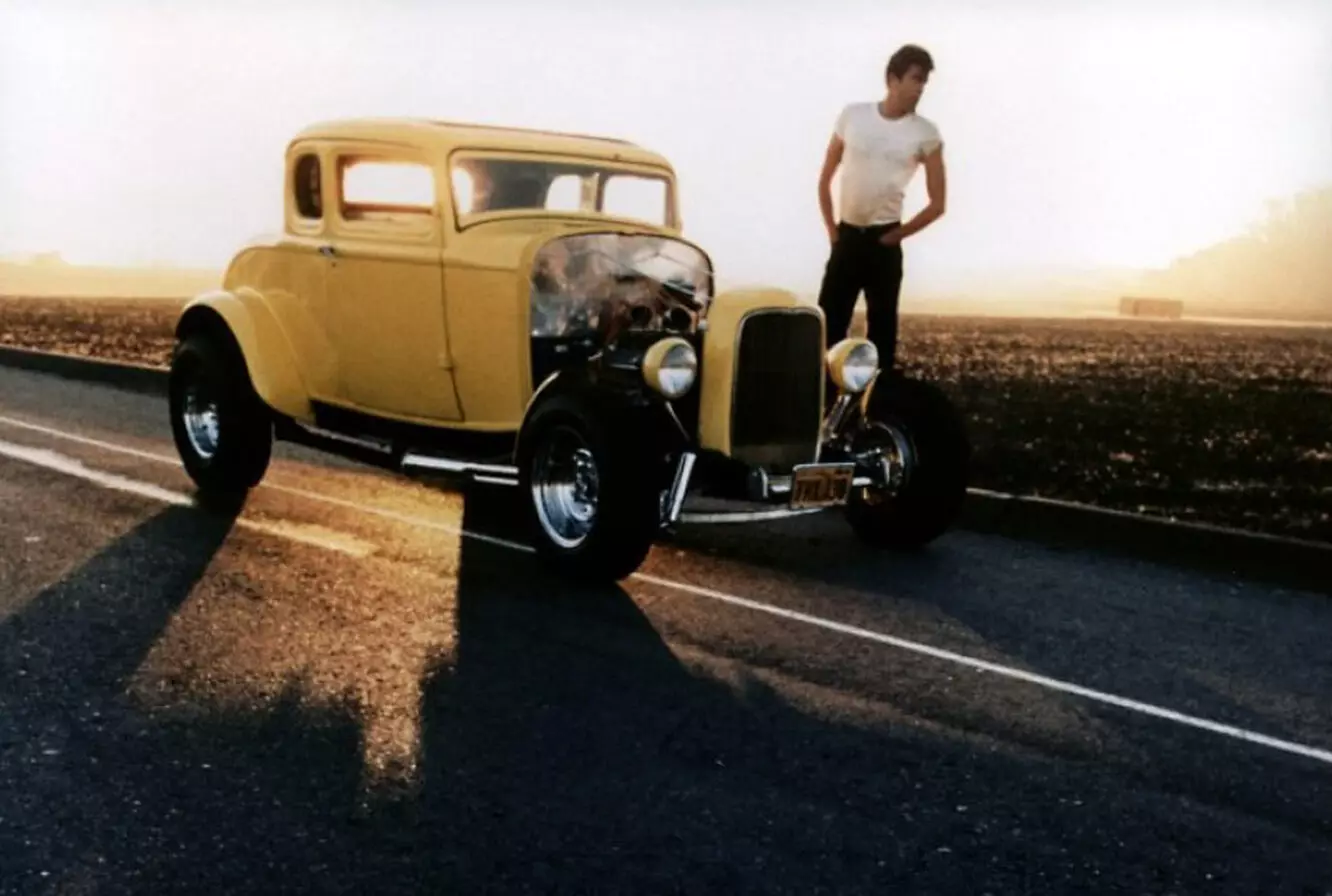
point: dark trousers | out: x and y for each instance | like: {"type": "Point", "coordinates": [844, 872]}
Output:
{"type": "Point", "coordinates": [858, 261]}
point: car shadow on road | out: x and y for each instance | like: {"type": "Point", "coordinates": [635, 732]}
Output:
{"type": "Point", "coordinates": [97, 794]}
{"type": "Point", "coordinates": [584, 747]}
{"type": "Point", "coordinates": [1152, 634]}
{"type": "Point", "coordinates": [565, 745]}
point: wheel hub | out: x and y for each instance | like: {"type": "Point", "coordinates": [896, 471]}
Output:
{"type": "Point", "coordinates": [200, 416]}
{"type": "Point", "coordinates": [889, 452]}
{"type": "Point", "coordinates": [565, 488]}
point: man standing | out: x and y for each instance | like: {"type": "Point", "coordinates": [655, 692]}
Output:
{"type": "Point", "coordinates": [878, 145]}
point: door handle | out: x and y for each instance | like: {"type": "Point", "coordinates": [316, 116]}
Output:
{"type": "Point", "coordinates": [327, 251]}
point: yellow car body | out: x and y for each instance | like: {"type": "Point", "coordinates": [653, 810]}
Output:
{"type": "Point", "coordinates": [434, 282]}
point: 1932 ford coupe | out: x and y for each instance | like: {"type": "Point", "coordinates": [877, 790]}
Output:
{"type": "Point", "coordinates": [520, 308]}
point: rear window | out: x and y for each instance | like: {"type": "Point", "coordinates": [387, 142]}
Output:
{"type": "Point", "coordinates": [308, 188]}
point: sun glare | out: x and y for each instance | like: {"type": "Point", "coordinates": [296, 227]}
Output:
{"type": "Point", "coordinates": [1104, 139]}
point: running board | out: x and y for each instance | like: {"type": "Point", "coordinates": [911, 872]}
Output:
{"type": "Point", "coordinates": [383, 454]}
{"type": "Point", "coordinates": [367, 451]}
{"type": "Point", "coordinates": [492, 474]}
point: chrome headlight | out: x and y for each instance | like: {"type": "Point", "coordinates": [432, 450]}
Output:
{"type": "Point", "coordinates": [671, 366]}
{"type": "Point", "coordinates": [853, 364]}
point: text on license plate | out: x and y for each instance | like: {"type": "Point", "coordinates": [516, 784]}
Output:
{"type": "Point", "coordinates": [819, 485]}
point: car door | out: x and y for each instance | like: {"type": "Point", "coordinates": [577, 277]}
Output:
{"type": "Point", "coordinates": [385, 286]}
{"type": "Point", "coordinates": [296, 288]}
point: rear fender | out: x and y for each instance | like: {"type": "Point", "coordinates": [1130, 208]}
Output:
{"type": "Point", "coordinates": [269, 360]}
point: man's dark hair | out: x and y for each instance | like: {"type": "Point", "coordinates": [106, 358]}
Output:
{"type": "Point", "coordinates": [901, 62]}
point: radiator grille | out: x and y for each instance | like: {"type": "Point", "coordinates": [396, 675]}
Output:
{"type": "Point", "coordinates": [779, 376]}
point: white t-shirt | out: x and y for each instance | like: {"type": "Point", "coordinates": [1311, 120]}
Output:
{"type": "Point", "coordinates": [880, 158]}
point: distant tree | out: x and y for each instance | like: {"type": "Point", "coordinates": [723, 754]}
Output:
{"type": "Point", "coordinates": [1281, 266]}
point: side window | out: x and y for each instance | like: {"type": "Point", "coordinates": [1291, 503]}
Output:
{"type": "Point", "coordinates": [373, 189]}
{"type": "Point", "coordinates": [309, 198]}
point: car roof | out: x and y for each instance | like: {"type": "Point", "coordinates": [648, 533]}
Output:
{"type": "Point", "coordinates": [445, 136]}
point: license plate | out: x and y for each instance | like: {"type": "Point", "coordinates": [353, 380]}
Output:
{"type": "Point", "coordinates": [821, 485]}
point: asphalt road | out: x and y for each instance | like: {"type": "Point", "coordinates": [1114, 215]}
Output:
{"type": "Point", "coordinates": [337, 691]}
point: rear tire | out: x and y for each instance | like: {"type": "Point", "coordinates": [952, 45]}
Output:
{"type": "Point", "coordinates": [931, 498]}
{"type": "Point", "coordinates": [592, 490]}
{"type": "Point", "coordinates": [222, 430]}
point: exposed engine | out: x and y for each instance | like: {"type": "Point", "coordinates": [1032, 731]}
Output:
{"type": "Point", "coordinates": [602, 285]}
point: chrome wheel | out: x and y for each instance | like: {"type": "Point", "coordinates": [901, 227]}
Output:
{"type": "Point", "coordinates": [892, 453]}
{"type": "Point", "coordinates": [565, 487]}
{"type": "Point", "coordinates": [208, 392]}
{"type": "Point", "coordinates": [200, 417]}
{"type": "Point", "coordinates": [913, 435]}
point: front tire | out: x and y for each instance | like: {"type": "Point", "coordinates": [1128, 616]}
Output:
{"type": "Point", "coordinates": [592, 491]}
{"type": "Point", "coordinates": [920, 417]}
{"type": "Point", "coordinates": [222, 430]}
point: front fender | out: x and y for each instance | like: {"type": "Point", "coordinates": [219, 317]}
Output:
{"type": "Point", "coordinates": [263, 345]}
{"type": "Point", "coordinates": [642, 413]}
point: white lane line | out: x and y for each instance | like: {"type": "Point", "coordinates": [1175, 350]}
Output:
{"type": "Point", "coordinates": [173, 461]}
{"type": "Point", "coordinates": [59, 463]}
{"type": "Point", "coordinates": [405, 518]}
{"type": "Point", "coordinates": [1054, 684]}
{"type": "Point", "coordinates": [84, 440]}
{"type": "Point", "coordinates": [51, 460]}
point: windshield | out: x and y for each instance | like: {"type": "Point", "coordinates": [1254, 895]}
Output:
{"type": "Point", "coordinates": [482, 184]}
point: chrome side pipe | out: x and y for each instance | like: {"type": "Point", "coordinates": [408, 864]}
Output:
{"type": "Point", "coordinates": [675, 495]}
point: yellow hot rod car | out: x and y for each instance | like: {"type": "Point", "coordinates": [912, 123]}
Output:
{"type": "Point", "coordinates": [520, 308]}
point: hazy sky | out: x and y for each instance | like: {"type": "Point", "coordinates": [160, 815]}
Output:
{"type": "Point", "coordinates": [1077, 133]}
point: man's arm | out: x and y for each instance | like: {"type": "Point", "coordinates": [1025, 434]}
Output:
{"type": "Point", "coordinates": [936, 185]}
{"type": "Point", "coordinates": [831, 159]}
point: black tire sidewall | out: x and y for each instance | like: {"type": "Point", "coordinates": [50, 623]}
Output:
{"type": "Point", "coordinates": [936, 487]}
{"type": "Point", "coordinates": [244, 426]}
{"type": "Point", "coordinates": [628, 513]}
